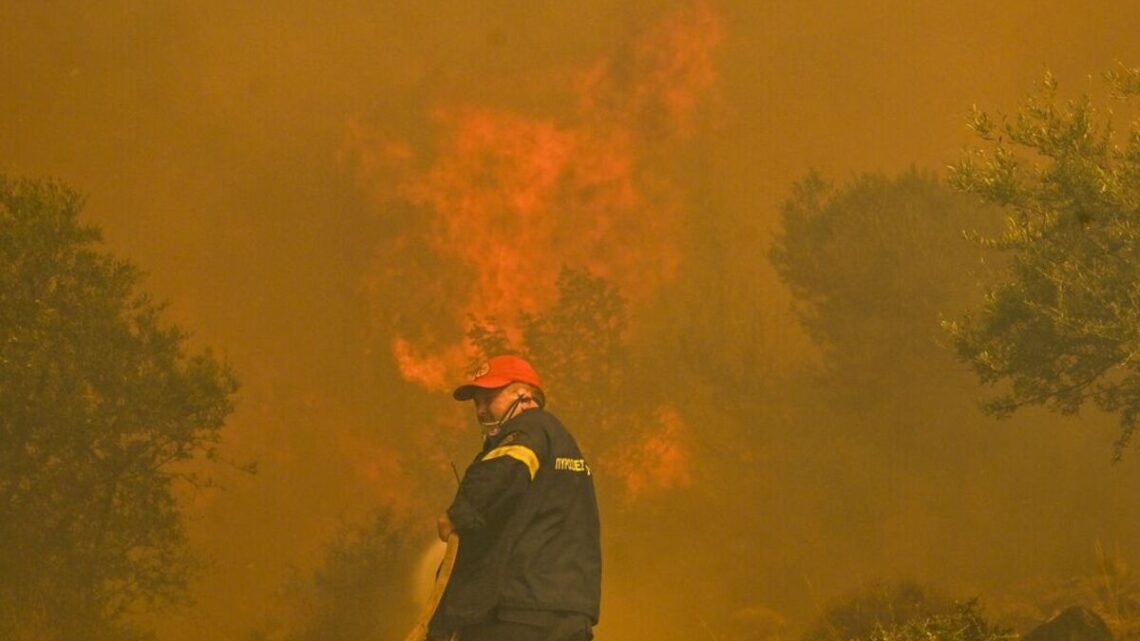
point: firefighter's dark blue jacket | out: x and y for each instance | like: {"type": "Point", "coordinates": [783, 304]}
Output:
{"type": "Point", "coordinates": [527, 519]}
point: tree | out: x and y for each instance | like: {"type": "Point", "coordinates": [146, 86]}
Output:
{"type": "Point", "coordinates": [580, 343]}
{"type": "Point", "coordinates": [1063, 326]}
{"type": "Point", "coordinates": [101, 402]}
{"type": "Point", "coordinates": [873, 264]}
{"type": "Point", "coordinates": [361, 592]}
{"type": "Point", "coordinates": [631, 435]}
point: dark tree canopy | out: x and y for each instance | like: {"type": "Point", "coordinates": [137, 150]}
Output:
{"type": "Point", "coordinates": [100, 400]}
{"type": "Point", "coordinates": [580, 343]}
{"type": "Point", "coordinates": [589, 372]}
{"type": "Point", "coordinates": [874, 264]}
{"type": "Point", "coordinates": [360, 592]}
{"type": "Point", "coordinates": [1063, 326]}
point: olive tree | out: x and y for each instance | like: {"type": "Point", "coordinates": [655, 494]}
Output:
{"type": "Point", "coordinates": [1062, 327]}
{"type": "Point", "coordinates": [100, 403]}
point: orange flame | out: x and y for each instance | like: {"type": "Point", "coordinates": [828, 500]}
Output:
{"type": "Point", "coordinates": [672, 68]}
{"type": "Point", "coordinates": [508, 199]}
{"type": "Point", "coordinates": [657, 460]}
{"type": "Point", "coordinates": [430, 372]}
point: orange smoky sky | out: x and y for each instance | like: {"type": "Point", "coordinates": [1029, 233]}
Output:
{"type": "Point", "coordinates": [326, 193]}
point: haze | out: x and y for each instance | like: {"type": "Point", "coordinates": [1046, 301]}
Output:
{"type": "Point", "coordinates": [302, 182]}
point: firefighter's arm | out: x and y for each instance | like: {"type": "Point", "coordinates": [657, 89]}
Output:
{"type": "Point", "coordinates": [493, 484]}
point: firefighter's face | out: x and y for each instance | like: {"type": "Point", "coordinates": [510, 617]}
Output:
{"type": "Point", "coordinates": [493, 405]}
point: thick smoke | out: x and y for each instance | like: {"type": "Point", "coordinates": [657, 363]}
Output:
{"type": "Point", "coordinates": [327, 195]}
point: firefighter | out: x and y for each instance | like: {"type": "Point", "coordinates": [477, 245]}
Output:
{"type": "Point", "coordinates": [529, 560]}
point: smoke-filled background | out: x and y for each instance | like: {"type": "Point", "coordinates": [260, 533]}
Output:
{"type": "Point", "coordinates": [345, 200]}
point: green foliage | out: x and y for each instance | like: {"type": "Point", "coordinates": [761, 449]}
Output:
{"type": "Point", "coordinates": [361, 592]}
{"type": "Point", "coordinates": [965, 623]}
{"type": "Point", "coordinates": [580, 348]}
{"type": "Point", "coordinates": [904, 611]}
{"type": "Point", "coordinates": [1063, 327]}
{"type": "Point", "coordinates": [579, 344]}
{"type": "Point", "coordinates": [877, 607]}
{"type": "Point", "coordinates": [100, 402]}
{"type": "Point", "coordinates": [874, 263]}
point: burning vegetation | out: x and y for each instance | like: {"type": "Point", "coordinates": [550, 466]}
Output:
{"type": "Point", "coordinates": [781, 427]}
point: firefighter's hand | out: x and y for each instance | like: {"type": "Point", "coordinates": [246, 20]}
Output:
{"type": "Point", "coordinates": [445, 527]}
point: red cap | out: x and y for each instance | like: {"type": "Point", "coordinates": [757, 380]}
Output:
{"type": "Point", "coordinates": [498, 371]}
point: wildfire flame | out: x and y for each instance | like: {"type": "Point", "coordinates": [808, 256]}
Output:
{"type": "Point", "coordinates": [511, 198]}
{"type": "Point", "coordinates": [488, 217]}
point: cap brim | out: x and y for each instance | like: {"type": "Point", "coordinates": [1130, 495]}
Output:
{"type": "Point", "coordinates": [467, 392]}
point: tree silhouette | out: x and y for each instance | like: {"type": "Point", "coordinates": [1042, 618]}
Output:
{"type": "Point", "coordinates": [874, 265]}
{"type": "Point", "coordinates": [100, 404]}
